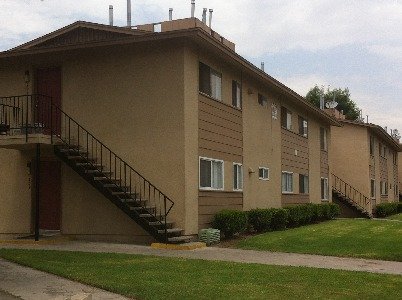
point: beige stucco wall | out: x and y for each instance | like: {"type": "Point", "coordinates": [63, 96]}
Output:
{"type": "Point", "coordinates": [15, 192]}
{"type": "Point", "coordinates": [350, 156]}
{"type": "Point", "coordinates": [400, 172]}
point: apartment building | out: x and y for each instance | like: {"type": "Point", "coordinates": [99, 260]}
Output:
{"type": "Point", "coordinates": [135, 134]}
{"type": "Point", "coordinates": [365, 160]}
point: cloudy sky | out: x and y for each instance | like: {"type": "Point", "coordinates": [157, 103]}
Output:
{"type": "Point", "coordinates": [347, 43]}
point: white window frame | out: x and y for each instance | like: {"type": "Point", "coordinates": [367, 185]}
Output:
{"type": "Point", "coordinates": [199, 174]}
{"type": "Point", "coordinates": [325, 139]}
{"type": "Point", "coordinates": [241, 182]}
{"type": "Point", "coordinates": [285, 191]}
{"type": "Point", "coordinates": [238, 94]}
{"type": "Point", "coordinates": [217, 93]}
{"type": "Point", "coordinates": [384, 188]}
{"type": "Point", "coordinates": [263, 171]}
{"type": "Point", "coordinates": [326, 189]}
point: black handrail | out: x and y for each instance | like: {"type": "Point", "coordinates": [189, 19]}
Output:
{"type": "Point", "coordinates": [28, 114]}
{"type": "Point", "coordinates": [346, 190]}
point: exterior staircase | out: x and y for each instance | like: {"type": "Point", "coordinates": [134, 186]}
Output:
{"type": "Point", "coordinates": [107, 172]}
{"type": "Point", "coordinates": [350, 198]}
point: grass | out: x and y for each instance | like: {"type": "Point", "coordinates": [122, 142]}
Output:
{"type": "Point", "coordinates": [148, 277]}
{"type": "Point", "coordinates": [396, 217]}
{"type": "Point", "coordinates": [374, 239]}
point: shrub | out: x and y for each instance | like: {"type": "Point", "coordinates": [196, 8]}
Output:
{"type": "Point", "coordinates": [386, 209]}
{"type": "Point", "coordinates": [335, 210]}
{"type": "Point", "coordinates": [260, 219]}
{"type": "Point", "coordinates": [230, 222]}
{"type": "Point", "coordinates": [295, 215]}
{"type": "Point", "coordinates": [400, 207]}
{"type": "Point", "coordinates": [279, 218]}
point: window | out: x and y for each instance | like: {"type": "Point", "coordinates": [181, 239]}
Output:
{"type": "Point", "coordinates": [372, 188]}
{"type": "Point", "coordinates": [211, 174]}
{"type": "Point", "coordinates": [286, 118]}
{"type": "Point", "coordinates": [383, 150]}
{"type": "Point", "coordinates": [303, 184]}
{"type": "Point", "coordinates": [323, 139]}
{"type": "Point", "coordinates": [303, 127]}
{"type": "Point", "coordinates": [210, 82]}
{"type": "Point", "coordinates": [287, 182]}
{"type": "Point", "coordinates": [236, 94]}
{"type": "Point", "coordinates": [237, 177]}
{"type": "Point", "coordinates": [396, 189]}
{"type": "Point", "coordinates": [262, 100]}
{"type": "Point", "coordinates": [263, 173]}
{"type": "Point", "coordinates": [384, 188]}
{"type": "Point", "coordinates": [324, 189]}
{"type": "Point", "coordinates": [371, 145]}
{"type": "Point", "coordinates": [395, 158]}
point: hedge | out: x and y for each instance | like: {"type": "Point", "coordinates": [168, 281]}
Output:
{"type": "Point", "coordinates": [232, 222]}
{"type": "Point", "coordinates": [386, 209]}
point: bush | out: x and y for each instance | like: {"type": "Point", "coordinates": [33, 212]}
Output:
{"type": "Point", "coordinates": [295, 215]}
{"type": "Point", "coordinates": [230, 222]}
{"type": "Point", "coordinates": [400, 207]}
{"type": "Point", "coordinates": [279, 218]}
{"type": "Point", "coordinates": [260, 219]}
{"type": "Point", "coordinates": [386, 209]}
{"type": "Point", "coordinates": [335, 210]}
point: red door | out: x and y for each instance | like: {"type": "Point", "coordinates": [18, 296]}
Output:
{"type": "Point", "coordinates": [48, 83]}
{"type": "Point", "coordinates": [49, 195]}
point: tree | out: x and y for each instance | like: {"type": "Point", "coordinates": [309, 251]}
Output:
{"type": "Point", "coordinates": [342, 96]}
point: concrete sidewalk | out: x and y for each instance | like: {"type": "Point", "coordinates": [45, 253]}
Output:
{"type": "Point", "coordinates": [233, 255]}
{"type": "Point", "coordinates": [29, 284]}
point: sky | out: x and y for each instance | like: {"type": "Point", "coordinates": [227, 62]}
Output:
{"type": "Point", "coordinates": [347, 43]}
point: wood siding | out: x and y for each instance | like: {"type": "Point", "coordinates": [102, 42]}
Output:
{"type": "Point", "coordinates": [211, 202]}
{"type": "Point", "coordinates": [220, 133]}
{"type": "Point", "coordinates": [295, 199]}
{"type": "Point", "coordinates": [290, 161]}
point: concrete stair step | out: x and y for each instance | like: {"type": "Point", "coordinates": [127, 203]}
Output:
{"type": "Point", "coordinates": [170, 230]}
{"type": "Point", "coordinates": [179, 239]}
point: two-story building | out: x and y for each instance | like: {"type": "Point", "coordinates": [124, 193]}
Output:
{"type": "Point", "coordinates": [365, 162]}
{"type": "Point", "coordinates": [121, 132]}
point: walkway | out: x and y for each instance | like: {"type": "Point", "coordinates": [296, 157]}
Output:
{"type": "Point", "coordinates": [30, 284]}
{"type": "Point", "coordinates": [234, 255]}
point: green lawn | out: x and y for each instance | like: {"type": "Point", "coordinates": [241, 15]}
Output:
{"type": "Point", "coordinates": [148, 277]}
{"type": "Point", "coordinates": [396, 217]}
{"type": "Point", "coordinates": [374, 239]}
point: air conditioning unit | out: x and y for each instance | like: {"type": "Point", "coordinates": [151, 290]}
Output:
{"type": "Point", "coordinates": [210, 236]}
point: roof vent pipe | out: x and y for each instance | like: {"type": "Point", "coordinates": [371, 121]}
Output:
{"type": "Point", "coordinates": [210, 17]}
{"type": "Point", "coordinates": [170, 14]}
{"type": "Point", "coordinates": [129, 13]}
{"type": "Point", "coordinates": [263, 66]}
{"type": "Point", "coordinates": [111, 15]}
{"type": "Point", "coordinates": [204, 16]}
{"type": "Point", "coordinates": [192, 8]}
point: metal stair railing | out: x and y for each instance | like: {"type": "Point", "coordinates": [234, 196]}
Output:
{"type": "Point", "coordinates": [28, 114]}
{"type": "Point", "coordinates": [346, 190]}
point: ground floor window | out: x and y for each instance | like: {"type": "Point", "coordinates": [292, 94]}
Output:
{"type": "Point", "coordinates": [384, 188]}
{"type": "Point", "coordinates": [303, 184]}
{"type": "Point", "coordinates": [372, 189]}
{"type": "Point", "coordinates": [211, 174]}
{"type": "Point", "coordinates": [287, 182]}
{"type": "Point", "coordinates": [237, 177]}
{"type": "Point", "coordinates": [263, 173]}
{"type": "Point", "coordinates": [324, 189]}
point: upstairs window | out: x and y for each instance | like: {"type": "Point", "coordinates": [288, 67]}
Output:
{"type": "Point", "coordinates": [395, 158]}
{"type": "Point", "coordinates": [371, 145]}
{"type": "Point", "coordinates": [383, 150]}
{"type": "Point", "coordinates": [286, 118]}
{"type": "Point", "coordinates": [262, 100]}
{"type": "Point", "coordinates": [324, 189]}
{"type": "Point", "coordinates": [210, 82]}
{"type": "Point", "coordinates": [323, 139]}
{"type": "Point", "coordinates": [303, 184]}
{"type": "Point", "coordinates": [236, 94]}
{"type": "Point", "coordinates": [303, 127]}
{"type": "Point", "coordinates": [211, 174]}
{"type": "Point", "coordinates": [237, 177]}
{"type": "Point", "coordinates": [263, 173]}
{"type": "Point", "coordinates": [287, 182]}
